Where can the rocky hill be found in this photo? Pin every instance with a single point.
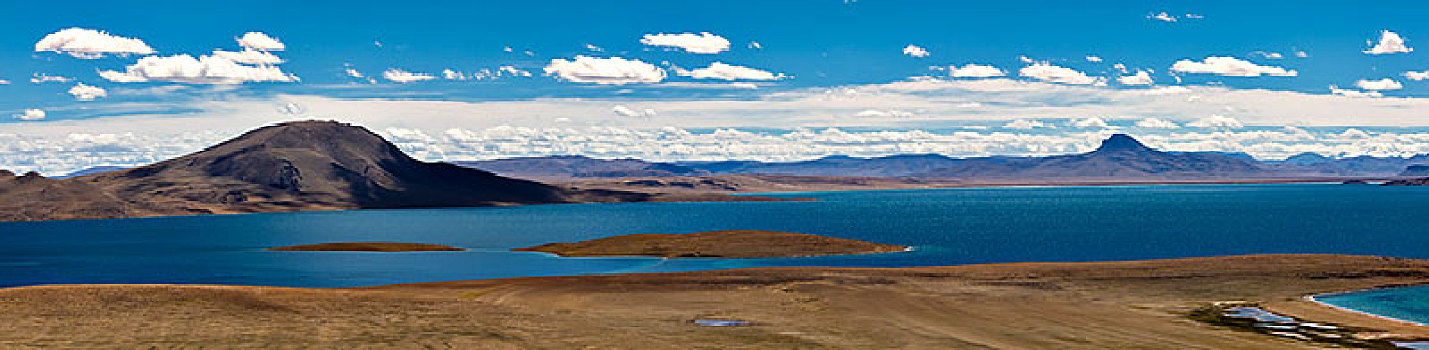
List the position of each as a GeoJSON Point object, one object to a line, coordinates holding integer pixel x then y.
{"type": "Point", "coordinates": [309, 165]}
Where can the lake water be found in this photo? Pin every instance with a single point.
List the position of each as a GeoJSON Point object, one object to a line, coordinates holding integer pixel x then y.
{"type": "Point", "coordinates": [946, 227]}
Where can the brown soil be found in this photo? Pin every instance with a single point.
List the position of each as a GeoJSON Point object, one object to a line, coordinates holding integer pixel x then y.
{"type": "Point", "coordinates": [1113, 305]}
{"type": "Point", "coordinates": [716, 244]}
{"type": "Point", "coordinates": [367, 247]}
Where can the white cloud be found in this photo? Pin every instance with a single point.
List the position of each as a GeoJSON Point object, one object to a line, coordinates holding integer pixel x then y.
{"type": "Point", "coordinates": [1055, 74]}
{"type": "Point", "coordinates": [83, 92]}
{"type": "Point", "coordinates": [1090, 123]}
{"type": "Point", "coordinates": [202, 70]}
{"type": "Point", "coordinates": [401, 76]}
{"type": "Point", "coordinates": [31, 114]}
{"type": "Point", "coordinates": [1230, 66]}
{"type": "Point", "coordinates": [755, 45]}
{"type": "Point", "coordinates": [614, 70]}
{"type": "Point", "coordinates": [1024, 124]}
{"type": "Point", "coordinates": [512, 71]}
{"type": "Point", "coordinates": [1416, 76]}
{"type": "Point", "coordinates": [879, 113]}
{"type": "Point", "coordinates": [260, 42]}
{"type": "Point", "coordinates": [253, 57]}
{"type": "Point", "coordinates": [704, 43]}
{"type": "Point", "coordinates": [40, 78]}
{"type": "Point", "coordinates": [915, 51]}
{"type": "Point", "coordinates": [1269, 55]}
{"type": "Point", "coordinates": [723, 71]}
{"type": "Point", "coordinates": [1389, 42]}
{"type": "Point", "coordinates": [1141, 78]}
{"type": "Point", "coordinates": [1216, 121]}
{"type": "Point", "coordinates": [1382, 84]}
{"type": "Point", "coordinates": [4, 82]}
{"type": "Point", "coordinates": [973, 70]}
{"type": "Point", "coordinates": [1156, 123]}
{"type": "Point", "coordinates": [1094, 59]}
{"type": "Point", "coordinates": [624, 111]}
{"type": "Point", "coordinates": [1335, 90]}
{"type": "Point", "coordinates": [450, 74]}
{"type": "Point", "coordinates": [594, 48]}
{"type": "Point", "coordinates": [1162, 16]}
{"type": "Point", "coordinates": [1301, 54]}
{"type": "Point", "coordinates": [91, 44]}
{"type": "Point", "coordinates": [355, 74]}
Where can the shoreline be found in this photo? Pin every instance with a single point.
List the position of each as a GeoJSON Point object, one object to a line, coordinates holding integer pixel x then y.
{"type": "Point", "coordinates": [1091, 305]}
{"type": "Point", "coordinates": [751, 196]}
{"type": "Point", "coordinates": [1313, 298]}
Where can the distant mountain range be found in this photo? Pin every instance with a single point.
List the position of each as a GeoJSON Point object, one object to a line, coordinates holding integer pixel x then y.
{"type": "Point", "coordinates": [1120, 157]}
{"type": "Point", "coordinates": [287, 167]}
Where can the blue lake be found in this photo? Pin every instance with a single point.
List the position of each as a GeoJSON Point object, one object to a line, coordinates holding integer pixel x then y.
{"type": "Point", "coordinates": [946, 226]}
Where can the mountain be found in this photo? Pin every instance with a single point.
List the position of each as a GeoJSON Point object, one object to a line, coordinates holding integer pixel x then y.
{"type": "Point", "coordinates": [1416, 170]}
{"type": "Point", "coordinates": [890, 166]}
{"type": "Point", "coordinates": [580, 167]}
{"type": "Point", "coordinates": [292, 166]}
{"type": "Point", "coordinates": [90, 170]}
{"type": "Point", "coordinates": [1118, 157]}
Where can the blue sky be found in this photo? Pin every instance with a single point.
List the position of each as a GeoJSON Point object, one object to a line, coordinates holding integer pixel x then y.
{"type": "Point", "coordinates": [838, 64]}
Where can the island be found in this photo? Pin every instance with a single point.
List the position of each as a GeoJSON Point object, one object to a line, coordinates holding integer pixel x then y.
{"type": "Point", "coordinates": [367, 247]}
{"type": "Point", "coordinates": [716, 244]}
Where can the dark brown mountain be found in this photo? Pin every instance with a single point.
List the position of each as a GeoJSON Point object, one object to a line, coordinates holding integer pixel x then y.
{"type": "Point", "coordinates": [308, 165]}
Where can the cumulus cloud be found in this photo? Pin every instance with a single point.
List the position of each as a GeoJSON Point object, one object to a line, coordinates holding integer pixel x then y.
{"type": "Point", "coordinates": [973, 70]}
{"type": "Point", "coordinates": [83, 92]}
{"type": "Point", "coordinates": [1140, 78]}
{"type": "Point", "coordinates": [31, 114]}
{"type": "Point", "coordinates": [624, 111]}
{"type": "Point", "coordinates": [202, 70]}
{"type": "Point", "coordinates": [723, 71]}
{"type": "Point", "coordinates": [401, 76]}
{"type": "Point", "coordinates": [40, 78]}
{"type": "Point", "coordinates": [1162, 16]}
{"type": "Point", "coordinates": [1055, 74]}
{"type": "Point", "coordinates": [253, 57]}
{"type": "Point", "coordinates": [612, 71]}
{"type": "Point", "coordinates": [1216, 121]}
{"type": "Point", "coordinates": [1094, 59]}
{"type": "Point", "coordinates": [91, 44]}
{"type": "Point", "coordinates": [1231, 67]}
{"type": "Point", "coordinates": [260, 42]}
{"type": "Point", "coordinates": [1389, 42]}
{"type": "Point", "coordinates": [1090, 123]}
{"type": "Point", "coordinates": [1156, 123]}
{"type": "Point", "coordinates": [1025, 124]}
{"type": "Point", "coordinates": [1377, 85]}
{"type": "Point", "coordinates": [703, 43]}
{"type": "Point", "coordinates": [512, 71]}
{"type": "Point", "coordinates": [450, 74]}
{"type": "Point", "coordinates": [915, 51]}
{"type": "Point", "coordinates": [1416, 76]}
{"type": "Point", "coordinates": [1335, 90]}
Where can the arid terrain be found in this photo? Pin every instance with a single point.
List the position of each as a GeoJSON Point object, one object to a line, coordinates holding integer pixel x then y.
{"type": "Point", "coordinates": [716, 244]}
{"type": "Point", "coordinates": [1123, 305]}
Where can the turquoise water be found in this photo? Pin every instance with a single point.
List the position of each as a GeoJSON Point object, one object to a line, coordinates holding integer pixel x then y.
{"type": "Point", "coordinates": [1404, 303]}
{"type": "Point", "coordinates": [947, 226]}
